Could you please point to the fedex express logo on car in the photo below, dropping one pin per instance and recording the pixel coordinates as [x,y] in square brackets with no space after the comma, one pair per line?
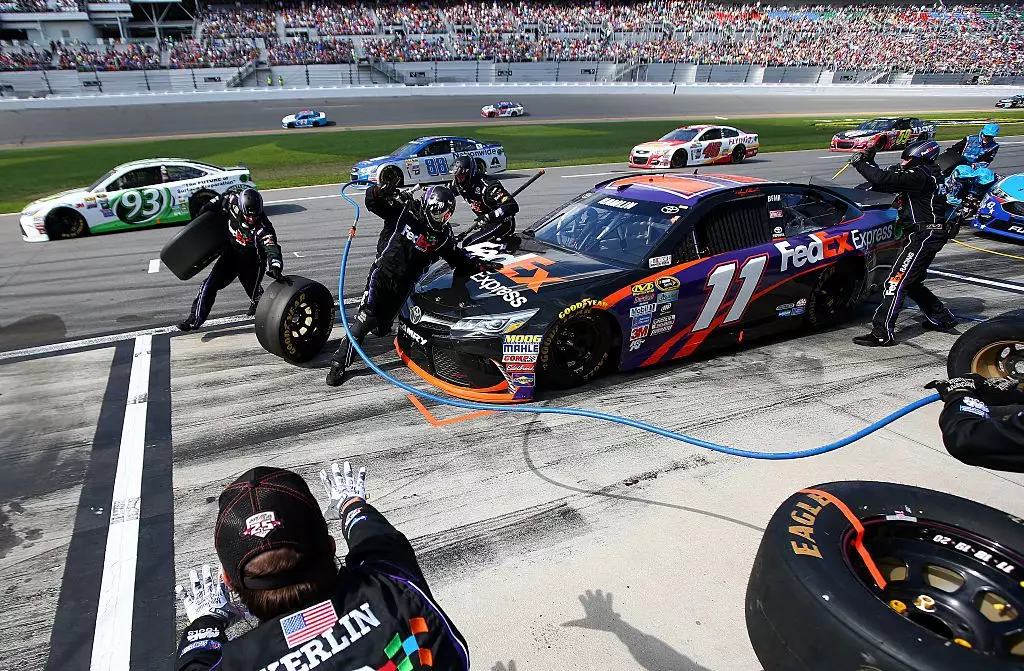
[824,246]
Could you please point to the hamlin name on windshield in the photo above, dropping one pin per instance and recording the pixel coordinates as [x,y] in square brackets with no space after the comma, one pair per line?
[496,288]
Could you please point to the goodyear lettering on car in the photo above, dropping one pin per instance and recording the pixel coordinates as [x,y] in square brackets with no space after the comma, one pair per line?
[585,303]
[804,515]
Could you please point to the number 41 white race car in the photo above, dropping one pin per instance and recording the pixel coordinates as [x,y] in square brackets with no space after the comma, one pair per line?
[696,145]
[140,194]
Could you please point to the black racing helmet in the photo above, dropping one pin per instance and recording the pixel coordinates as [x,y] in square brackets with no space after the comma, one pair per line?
[464,171]
[438,205]
[921,152]
[250,207]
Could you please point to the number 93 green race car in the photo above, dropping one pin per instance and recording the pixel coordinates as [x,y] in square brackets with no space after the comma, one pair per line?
[140,194]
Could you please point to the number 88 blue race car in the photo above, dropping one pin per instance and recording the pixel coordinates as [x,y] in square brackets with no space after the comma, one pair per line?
[430,159]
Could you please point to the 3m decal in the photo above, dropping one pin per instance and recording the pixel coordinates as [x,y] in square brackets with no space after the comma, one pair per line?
[639,332]
[720,280]
[667,283]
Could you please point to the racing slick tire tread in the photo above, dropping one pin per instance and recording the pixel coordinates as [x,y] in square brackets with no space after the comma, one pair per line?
[553,373]
[293,300]
[198,200]
[821,313]
[738,154]
[806,612]
[58,231]
[196,245]
[674,163]
[1006,327]
[401,177]
[481,166]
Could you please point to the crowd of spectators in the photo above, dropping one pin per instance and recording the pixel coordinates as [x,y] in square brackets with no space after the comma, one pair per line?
[193,54]
[131,56]
[310,53]
[24,59]
[414,17]
[331,19]
[21,6]
[237,22]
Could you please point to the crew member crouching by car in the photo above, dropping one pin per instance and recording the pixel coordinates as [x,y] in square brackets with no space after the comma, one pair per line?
[977,434]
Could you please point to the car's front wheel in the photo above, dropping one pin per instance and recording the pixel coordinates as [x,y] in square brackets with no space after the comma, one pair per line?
[481,167]
[575,350]
[394,174]
[678,159]
[291,124]
[835,296]
[65,224]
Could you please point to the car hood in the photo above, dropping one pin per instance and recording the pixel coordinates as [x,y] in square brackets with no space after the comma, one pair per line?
[488,107]
[851,134]
[1013,186]
[286,119]
[80,192]
[660,144]
[534,274]
[375,161]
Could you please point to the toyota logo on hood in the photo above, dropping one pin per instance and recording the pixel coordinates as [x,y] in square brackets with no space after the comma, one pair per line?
[415,314]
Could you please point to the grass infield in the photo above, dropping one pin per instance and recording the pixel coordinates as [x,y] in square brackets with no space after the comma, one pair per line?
[305,158]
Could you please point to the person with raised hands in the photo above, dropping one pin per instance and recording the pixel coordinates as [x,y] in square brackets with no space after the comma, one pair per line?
[374,610]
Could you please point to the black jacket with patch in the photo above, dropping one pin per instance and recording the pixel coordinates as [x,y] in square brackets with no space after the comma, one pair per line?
[380,614]
[976,435]
[262,237]
[923,205]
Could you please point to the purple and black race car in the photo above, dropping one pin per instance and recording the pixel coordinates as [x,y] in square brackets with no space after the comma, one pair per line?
[644,269]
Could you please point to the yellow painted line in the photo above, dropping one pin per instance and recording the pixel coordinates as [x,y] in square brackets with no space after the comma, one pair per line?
[990,251]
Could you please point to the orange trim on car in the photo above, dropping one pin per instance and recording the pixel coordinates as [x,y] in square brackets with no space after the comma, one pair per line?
[627,291]
[499,393]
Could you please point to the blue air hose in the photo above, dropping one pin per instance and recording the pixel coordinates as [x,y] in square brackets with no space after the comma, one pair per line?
[576,412]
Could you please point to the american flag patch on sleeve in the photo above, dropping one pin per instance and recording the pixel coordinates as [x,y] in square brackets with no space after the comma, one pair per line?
[309,623]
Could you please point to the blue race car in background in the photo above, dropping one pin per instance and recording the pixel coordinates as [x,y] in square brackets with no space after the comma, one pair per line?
[1002,211]
[430,159]
[304,119]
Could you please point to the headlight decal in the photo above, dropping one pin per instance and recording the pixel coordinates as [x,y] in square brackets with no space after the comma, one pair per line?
[491,326]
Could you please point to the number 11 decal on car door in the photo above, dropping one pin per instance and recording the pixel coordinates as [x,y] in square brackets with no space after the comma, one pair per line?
[721,280]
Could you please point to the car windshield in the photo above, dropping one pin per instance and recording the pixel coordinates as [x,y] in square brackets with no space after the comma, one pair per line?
[101,181]
[407,149]
[681,134]
[876,124]
[614,229]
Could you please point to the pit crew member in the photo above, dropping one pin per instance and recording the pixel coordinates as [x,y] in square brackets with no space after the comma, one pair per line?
[251,251]
[922,211]
[279,559]
[976,434]
[493,205]
[421,235]
[980,148]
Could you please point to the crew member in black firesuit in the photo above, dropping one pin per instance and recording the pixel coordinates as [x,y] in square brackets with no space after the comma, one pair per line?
[420,235]
[493,205]
[251,252]
[922,210]
[376,611]
[976,434]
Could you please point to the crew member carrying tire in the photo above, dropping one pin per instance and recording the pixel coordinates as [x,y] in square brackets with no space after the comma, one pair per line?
[251,251]
[279,558]
[421,235]
[922,211]
[980,148]
[975,433]
[493,205]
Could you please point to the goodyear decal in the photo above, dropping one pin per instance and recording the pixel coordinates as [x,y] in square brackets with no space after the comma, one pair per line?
[585,303]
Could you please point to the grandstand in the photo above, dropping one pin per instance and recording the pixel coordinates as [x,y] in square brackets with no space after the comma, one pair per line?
[67,46]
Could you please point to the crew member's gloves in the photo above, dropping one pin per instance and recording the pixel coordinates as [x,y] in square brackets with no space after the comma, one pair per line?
[866,155]
[209,596]
[994,390]
[274,269]
[341,487]
[388,181]
[488,266]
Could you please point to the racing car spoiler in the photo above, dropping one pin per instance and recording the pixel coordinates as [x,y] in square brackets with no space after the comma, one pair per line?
[861,196]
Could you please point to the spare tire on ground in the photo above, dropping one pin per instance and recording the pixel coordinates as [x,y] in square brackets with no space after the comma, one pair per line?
[294,318]
[950,570]
[993,348]
[196,245]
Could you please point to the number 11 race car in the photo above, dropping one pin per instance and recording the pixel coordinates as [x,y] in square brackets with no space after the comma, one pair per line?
[642,270]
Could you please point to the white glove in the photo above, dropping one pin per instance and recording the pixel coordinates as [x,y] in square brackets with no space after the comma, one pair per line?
[209,597]
[342,487]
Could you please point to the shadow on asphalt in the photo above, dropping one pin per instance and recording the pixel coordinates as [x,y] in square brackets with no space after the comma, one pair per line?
[31,331]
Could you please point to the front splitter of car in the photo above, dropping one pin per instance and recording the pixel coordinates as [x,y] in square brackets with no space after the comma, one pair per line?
[31,229]
[497,394]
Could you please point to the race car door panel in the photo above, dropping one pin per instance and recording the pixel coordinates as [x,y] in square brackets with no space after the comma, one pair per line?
[136,197]
[436,157]
[707,147]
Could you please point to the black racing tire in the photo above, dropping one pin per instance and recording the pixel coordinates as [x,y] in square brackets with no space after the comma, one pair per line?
[63,223]
[291,124]
[198,200]
[993,348]
[389,169]
[514,114]
[678,159]
[294,318]
[837,292]
[738,154]
[481,166]
[575,350]
[812,604]
[196,245]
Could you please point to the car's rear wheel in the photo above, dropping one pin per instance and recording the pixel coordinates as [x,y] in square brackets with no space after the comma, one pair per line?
[835,295]
[575,350]
[65,224]
[198,200]
[394,174]
[481,166]
[993,348]
[738,154]
[679,159]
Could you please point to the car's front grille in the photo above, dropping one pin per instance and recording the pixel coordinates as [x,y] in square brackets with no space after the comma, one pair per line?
[1014,207]
[844,144]
[447,368]
[640,160]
